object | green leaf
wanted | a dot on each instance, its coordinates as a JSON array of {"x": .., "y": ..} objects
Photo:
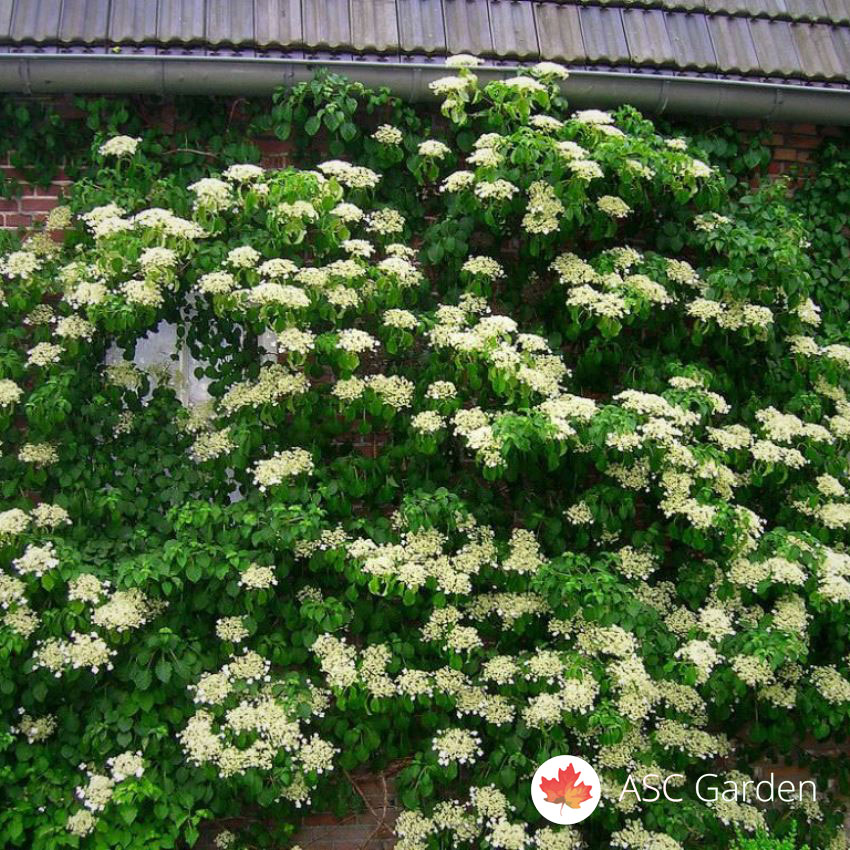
[{"x": 163, "y": 670}]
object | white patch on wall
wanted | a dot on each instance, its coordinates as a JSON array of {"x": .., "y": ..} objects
[
  {"x": 267, "y": 342},
  {"x": 157, "y": 349}
]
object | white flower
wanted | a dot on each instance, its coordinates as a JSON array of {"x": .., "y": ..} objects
[
  {"x": 348, "y": 212},
  {"x": 212, "y": 194},
  {"x": 10, "y": 393},
  {"x": 613, "y": 206},
  {"x": 22, "y": 264},
  {"x": 593, "y": 117},
  {"x": 356, "y": 341},
  {"x": 386, "y": 134},
  {"x": 524, "y": 84},
  {"x": 551, "y": 69},
  {"x": 484, "y": 266},
  {"x": 119, "y": 146},
  {"x": 585, "y": 169},
  {"x": 282, "y": 465},
  {"x": 243, "y": 257},
  {"x": 428, "y": 422},
  {"x": 495, "y": 190},
  {"x": 449, "y": 85},
  {"x": 244, "y": 173},
  {"x": 463, "y": 60},
  {"x": 457, "y": 745},
  {"x": 433, "y": 149},
  {"x": 457, "y": 182}
]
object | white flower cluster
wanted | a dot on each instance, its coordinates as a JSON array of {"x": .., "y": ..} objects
[
  {"x": 282, "y": 466},
  {"x": 119, "y": 146}
]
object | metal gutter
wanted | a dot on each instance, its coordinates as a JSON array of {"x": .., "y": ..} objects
[{"x": 79, "y": 73}]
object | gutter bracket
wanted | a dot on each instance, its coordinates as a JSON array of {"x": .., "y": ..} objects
[
  {"x": 778, "y": 100},
  {"x": 663, "y": 97},
  {"x": 24, "y": 71}
]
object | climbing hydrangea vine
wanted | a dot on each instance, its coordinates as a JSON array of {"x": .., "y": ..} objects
[{"x": 542, "y": 454}]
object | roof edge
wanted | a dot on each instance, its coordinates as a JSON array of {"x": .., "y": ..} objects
[{"x": 38, "y": 73}]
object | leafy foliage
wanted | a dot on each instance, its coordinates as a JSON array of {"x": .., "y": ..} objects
[{"x": 520, "y": 440}]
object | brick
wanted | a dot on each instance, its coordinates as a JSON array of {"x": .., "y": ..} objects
[
  {"x": 806, "y": 142},
  {"x": 804, "y": 129},
  {"x": 782, "y": 773},
  {"x": 15, "y": 220},
  {"x": 752, "y": 125},
  {"x": 321, "y": 819},
  {"x": 51, "y": 191},
  {"x": 785, "y": 155},
  {"x": 39, "y": 204},
  {"x": 68, "y": 110},
  {"x": 272, "y": 147},
  {"x": 353, "y": 832},
  {"x": 12, "y": 172},
  {"x": 355, "y": 845},
  {"x": 274, "y": 163},
  {"x": 8, "y": 204}
]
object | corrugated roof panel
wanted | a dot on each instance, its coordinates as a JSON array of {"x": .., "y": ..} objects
[
  {"x": 326, "y": 24},
  {"x": 6, "y": 9},
  {"x": 84, "y": 21},
  {"x": 468, "y": 27},
  {"x": 374, "y": 26},
  {"x": 514, "y": 32},
  {"x": 278, "y": 22},
  {"x": 603, "y": 35},
  {"x": 838, "y": 11},
  {"x": 817, "y": 51},
  {"x": 559, "y": 32},
  {"x": 36, "y": 20},
  {"x": 807, "y": 10},
  {"x": 689, "y": 36},
  {"x": 421, "y": 27},
  {"x": 181, "y": 21},
  {"x": 130, "y": 22},
  {"x": 647, "y": 38},
  {"x": 841, "y": 42},
  {"x": 733, "y": 44},
  {"x": 230, "y": 21},
  {"x": 775, "y": 48},
  {"x": 748, "y": 8}
]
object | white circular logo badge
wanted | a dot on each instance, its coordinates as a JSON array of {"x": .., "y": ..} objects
[{"x": 565, "y": 789}]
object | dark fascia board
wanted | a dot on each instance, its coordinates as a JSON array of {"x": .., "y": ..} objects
[{"x": 39, "y": 73}]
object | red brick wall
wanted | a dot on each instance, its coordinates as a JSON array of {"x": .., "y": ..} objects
[
  {"x": 33, "y": 204},
  {"x": 370, "y": 830},
  {"x": 792, "y": 146}
]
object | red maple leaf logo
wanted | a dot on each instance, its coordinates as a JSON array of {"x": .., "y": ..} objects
[{"x": 566, "y": 789}]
